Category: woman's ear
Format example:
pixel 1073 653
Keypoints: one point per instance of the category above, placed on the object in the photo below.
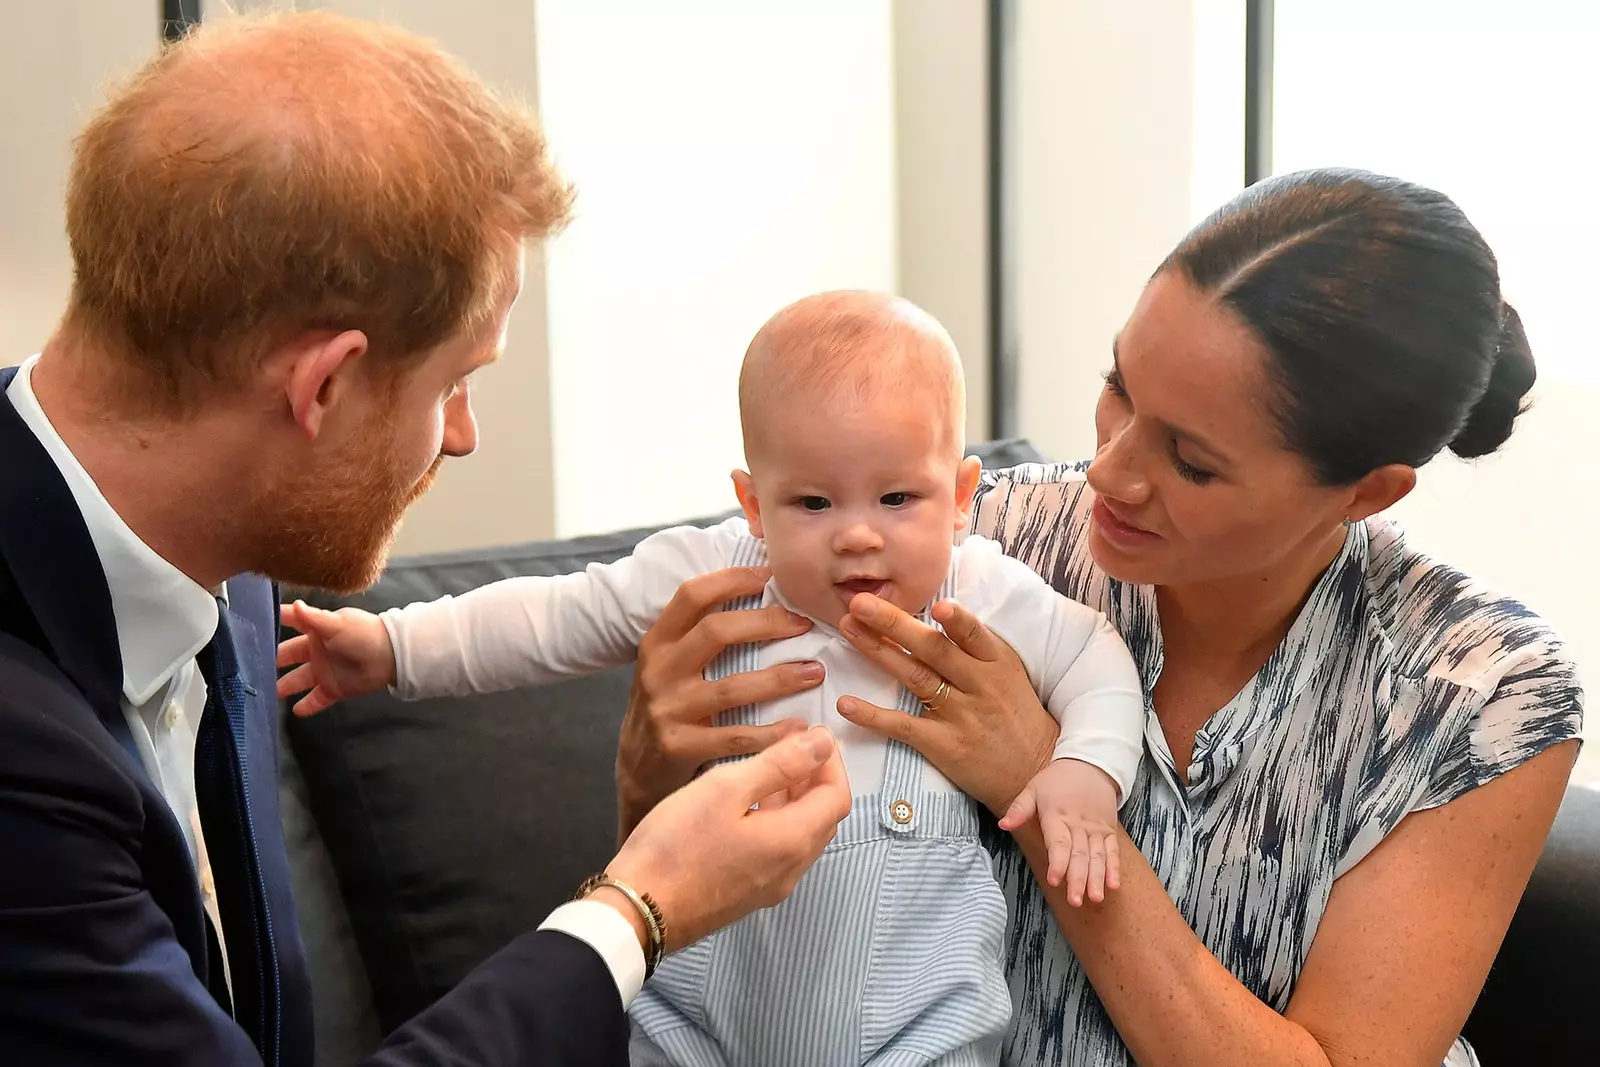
pixel 1379 491
pixel 744 487
pixel 966 488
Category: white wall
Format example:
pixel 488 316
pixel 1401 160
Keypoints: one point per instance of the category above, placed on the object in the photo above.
pixel 729 158
pixel 1481 105
pixel 54 65
pixel 1106 120
pixel 942 128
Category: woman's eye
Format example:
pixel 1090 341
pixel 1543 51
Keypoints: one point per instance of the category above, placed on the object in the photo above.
pixel 895 500
pixel 1114 384
pixel 1190 473
pixel 814 503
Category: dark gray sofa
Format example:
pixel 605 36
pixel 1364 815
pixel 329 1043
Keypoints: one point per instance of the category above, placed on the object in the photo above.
pixel 423 836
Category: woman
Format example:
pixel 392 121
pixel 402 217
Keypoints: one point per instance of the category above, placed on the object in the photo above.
pixel 1355 753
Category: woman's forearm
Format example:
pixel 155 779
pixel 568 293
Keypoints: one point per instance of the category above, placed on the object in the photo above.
pixel 1171 1000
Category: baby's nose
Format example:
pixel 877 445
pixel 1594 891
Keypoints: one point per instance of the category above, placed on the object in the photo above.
pixel 857 537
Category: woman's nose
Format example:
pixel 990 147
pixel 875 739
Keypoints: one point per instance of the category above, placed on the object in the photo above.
pixel 1117 471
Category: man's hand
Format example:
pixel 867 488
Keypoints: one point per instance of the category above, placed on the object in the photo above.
pixel 1077 807
pixel 667 734
pixel 338 655
pixel 708 856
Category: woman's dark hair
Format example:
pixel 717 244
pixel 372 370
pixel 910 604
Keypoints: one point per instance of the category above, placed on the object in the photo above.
pixel 1380 306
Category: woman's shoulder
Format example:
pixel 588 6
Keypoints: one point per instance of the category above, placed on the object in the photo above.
pixel 1445 624
pixel 1016 505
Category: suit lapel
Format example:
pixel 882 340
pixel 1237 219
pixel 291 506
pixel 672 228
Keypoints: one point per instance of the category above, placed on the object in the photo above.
pixel 57 571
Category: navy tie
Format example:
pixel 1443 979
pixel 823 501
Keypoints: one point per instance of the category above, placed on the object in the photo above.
pixel 220 779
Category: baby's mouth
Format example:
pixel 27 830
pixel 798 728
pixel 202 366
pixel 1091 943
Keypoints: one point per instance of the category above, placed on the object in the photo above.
pixel 853 586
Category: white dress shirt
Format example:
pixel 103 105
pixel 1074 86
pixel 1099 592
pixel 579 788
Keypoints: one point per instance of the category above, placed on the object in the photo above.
pixel 163 619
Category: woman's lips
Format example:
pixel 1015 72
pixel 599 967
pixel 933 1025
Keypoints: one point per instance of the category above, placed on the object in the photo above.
pixel 1119 531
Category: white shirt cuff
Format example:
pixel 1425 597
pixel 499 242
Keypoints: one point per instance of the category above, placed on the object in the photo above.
pixel 603 929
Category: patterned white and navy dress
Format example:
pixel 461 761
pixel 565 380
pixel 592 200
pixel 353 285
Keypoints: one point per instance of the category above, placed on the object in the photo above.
pixel 1401 685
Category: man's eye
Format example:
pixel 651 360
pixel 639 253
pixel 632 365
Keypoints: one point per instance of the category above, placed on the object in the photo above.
pixel 814 503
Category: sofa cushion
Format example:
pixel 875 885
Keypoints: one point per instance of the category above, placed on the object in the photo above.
pixel 454 825
pixel 1538 1004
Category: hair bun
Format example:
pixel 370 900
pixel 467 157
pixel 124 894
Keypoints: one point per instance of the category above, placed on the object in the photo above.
pixel 1489 422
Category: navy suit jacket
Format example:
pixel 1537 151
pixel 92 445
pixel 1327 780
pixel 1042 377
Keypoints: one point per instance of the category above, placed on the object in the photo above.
pixel 106 956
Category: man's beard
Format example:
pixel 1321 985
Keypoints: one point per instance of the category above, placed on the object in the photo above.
pixel 332 528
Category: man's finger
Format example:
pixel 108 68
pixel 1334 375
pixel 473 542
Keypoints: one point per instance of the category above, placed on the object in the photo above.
pixel 782 765
pixel 721 629
pixel 818 803
pixel 752 687
pixel 703 592
pixel 720 742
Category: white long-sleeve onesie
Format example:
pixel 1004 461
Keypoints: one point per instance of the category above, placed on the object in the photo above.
pixel 532 630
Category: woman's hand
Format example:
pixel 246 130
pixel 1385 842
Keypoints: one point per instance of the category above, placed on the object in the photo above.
pixel 667 734
pixel 984 729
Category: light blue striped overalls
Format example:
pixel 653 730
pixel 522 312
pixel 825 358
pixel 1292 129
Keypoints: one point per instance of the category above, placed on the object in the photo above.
pixel 889 952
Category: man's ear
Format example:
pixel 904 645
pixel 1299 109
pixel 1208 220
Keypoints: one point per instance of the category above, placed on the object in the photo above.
pixel 321 374
pixel 1380 490
pixel 966 487
pixel 744 487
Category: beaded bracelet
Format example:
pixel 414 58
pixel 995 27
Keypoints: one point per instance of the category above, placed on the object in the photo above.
pixel 654 924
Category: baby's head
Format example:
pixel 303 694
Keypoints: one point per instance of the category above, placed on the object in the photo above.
pixel 853 406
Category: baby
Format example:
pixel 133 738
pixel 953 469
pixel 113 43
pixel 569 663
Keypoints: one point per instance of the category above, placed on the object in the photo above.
pixel 890 949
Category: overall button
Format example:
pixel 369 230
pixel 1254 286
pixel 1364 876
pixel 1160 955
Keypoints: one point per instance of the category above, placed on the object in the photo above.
pixel 900 811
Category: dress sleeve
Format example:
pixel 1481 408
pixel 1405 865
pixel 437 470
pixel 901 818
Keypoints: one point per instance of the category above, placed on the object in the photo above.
pixel 1537 703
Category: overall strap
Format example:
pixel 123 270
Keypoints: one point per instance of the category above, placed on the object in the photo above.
pixel 735 659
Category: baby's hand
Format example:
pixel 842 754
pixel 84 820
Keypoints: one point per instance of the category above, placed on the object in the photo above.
pixel 1076 803
pixel 338 655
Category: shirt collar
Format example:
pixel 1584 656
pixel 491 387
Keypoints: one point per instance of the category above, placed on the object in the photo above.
pixel 163 617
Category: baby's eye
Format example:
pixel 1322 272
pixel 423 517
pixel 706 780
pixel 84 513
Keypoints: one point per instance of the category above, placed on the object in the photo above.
pixel 814 503
pixel 895 500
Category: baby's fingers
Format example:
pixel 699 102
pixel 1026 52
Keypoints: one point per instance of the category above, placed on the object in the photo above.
pixel 1096 888
pixel 1058 844
pixel 1078 867
pixel 294 651
pixel 299 680
pixel 1022 809
pixel 1113 863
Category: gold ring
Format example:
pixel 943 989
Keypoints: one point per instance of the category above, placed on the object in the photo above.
pixel 933 702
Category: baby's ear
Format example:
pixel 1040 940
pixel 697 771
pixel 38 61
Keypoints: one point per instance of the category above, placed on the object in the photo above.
pixel 744 487
pixel 966 488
